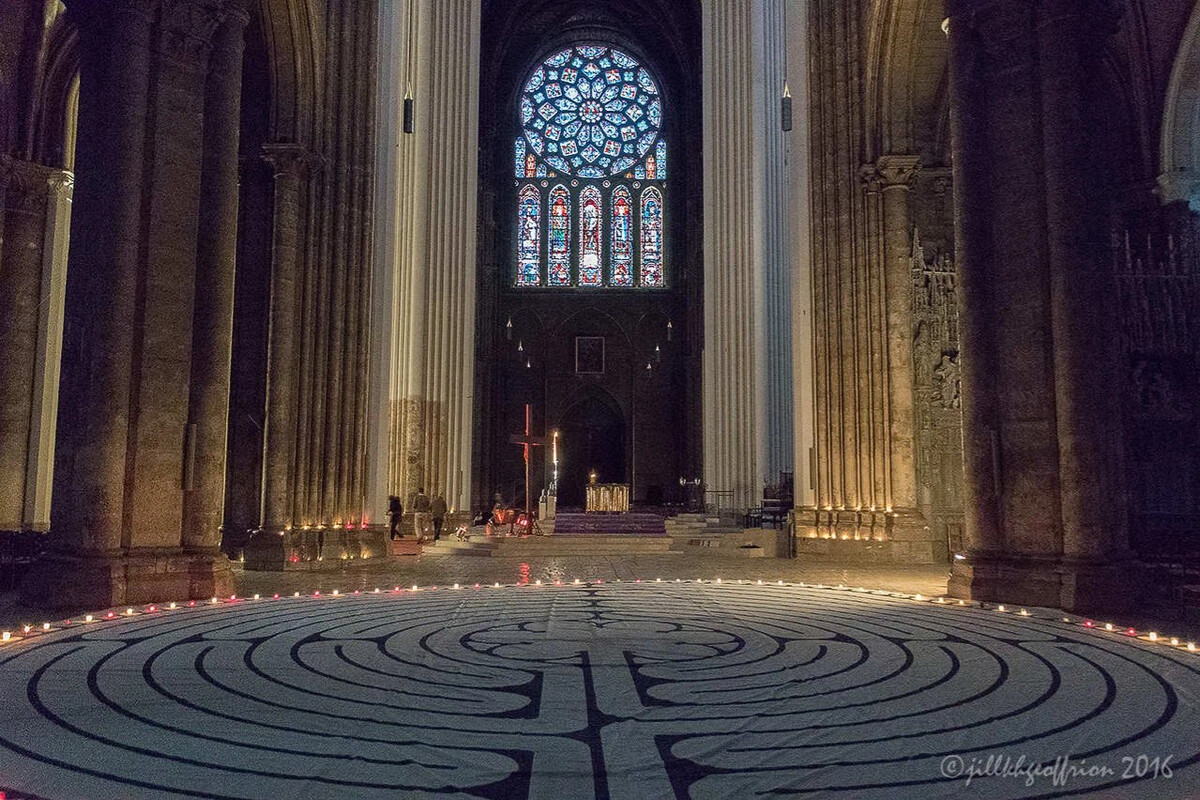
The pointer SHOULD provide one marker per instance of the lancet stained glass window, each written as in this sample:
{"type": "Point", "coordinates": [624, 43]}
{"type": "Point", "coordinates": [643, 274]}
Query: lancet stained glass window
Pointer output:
{"type": "Point", "coordinates": [591, 270]}
{"type": "Point", "coordinates": [560, 237]}
{"type": "Point", "coordinates": [622, 238]}
{"type": "Point", "coordinates": [530, 248]}
{"type": "Point", "coordinates": [591, 115]}
{"type": "Point", "coordinates": [652, 238]}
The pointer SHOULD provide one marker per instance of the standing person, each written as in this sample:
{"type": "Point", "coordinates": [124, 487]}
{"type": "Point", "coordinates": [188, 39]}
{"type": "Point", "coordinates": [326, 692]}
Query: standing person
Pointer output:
{"type": "Point", "coordinates": [421, 508]}
{"type": "Point", "coordinates": [395, 512]}
{"type": "Point", "coordinates": [439, 515]}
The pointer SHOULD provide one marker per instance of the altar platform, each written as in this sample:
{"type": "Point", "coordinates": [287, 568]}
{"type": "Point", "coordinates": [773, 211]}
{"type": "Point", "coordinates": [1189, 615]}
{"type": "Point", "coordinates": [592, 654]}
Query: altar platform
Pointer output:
{"type": "Point", "coordinates": [640, 525]}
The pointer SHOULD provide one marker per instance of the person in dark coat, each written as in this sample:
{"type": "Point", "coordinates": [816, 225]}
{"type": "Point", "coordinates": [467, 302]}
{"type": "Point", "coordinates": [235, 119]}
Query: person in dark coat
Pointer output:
{"type": "Point", "coordinates": [395, 513]}
{"type": "Point", "coordinates": [438, 508]}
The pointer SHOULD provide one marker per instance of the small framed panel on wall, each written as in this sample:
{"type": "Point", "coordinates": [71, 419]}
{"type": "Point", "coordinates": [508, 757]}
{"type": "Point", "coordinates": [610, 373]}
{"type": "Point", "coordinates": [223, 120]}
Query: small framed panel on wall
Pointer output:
{"type": "Point", "coordinates": [589, 355]}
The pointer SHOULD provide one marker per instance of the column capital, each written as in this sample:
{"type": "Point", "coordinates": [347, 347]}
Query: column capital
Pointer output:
{"type": "Point", "coordinates": [289, 159]}
{"type": "Point", "coordinates": [61, 183]}
{"type": "Point", "coordinates": [897, 171]}
{"type": "Point", "coordinates": [186, 29]}
{"type": "Point", "coordinates": [26, 183]}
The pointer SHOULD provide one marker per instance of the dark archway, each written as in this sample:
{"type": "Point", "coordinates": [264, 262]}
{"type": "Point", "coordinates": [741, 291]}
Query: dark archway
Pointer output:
{"type": "Point", "coordinates": [592, 439]}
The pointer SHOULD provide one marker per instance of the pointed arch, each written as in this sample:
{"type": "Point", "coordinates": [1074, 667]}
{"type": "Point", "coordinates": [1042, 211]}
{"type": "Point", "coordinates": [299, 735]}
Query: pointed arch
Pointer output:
{"type": "Point", "coordinates": [294, 34]}
{"type": "Point", "coordinates": [1179, 159]}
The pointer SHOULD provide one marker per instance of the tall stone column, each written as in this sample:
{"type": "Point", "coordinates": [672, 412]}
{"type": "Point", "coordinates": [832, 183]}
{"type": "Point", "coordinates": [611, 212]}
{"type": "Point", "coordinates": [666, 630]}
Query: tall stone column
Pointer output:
{"type": "Point", "coordinates": [102, 286]}
{"type": "Point", "coordinates": [216, 260]}
{"type": "Point", "coordinates": [279, 434]}
{"type": "Point", "coordinates": [968, 119]}
{"type": "Point", "coordinates": [800, 233]}
{"type": "Point", "coordinates": [1083, 295]}
{"type": "Point", "coordinates": [119, 472]}
{"type": "Point", "coordinates": [896, 175]}
{"type": "Point", "coordinates": [432, 258]}
{"type": "Point", "coordinates": [43, 421]}
{"type": "Point", "coordinates": [23, 229]}
{"type": "Point", "coordinates": [745, 252]}
{"type": "Point", "coordinates": [1045, 510]}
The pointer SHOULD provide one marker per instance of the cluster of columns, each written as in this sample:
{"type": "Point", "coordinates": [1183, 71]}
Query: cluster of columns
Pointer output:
{"type": "Point", "coordinates": [148, 307]}
{"type": "Point", "coordinates": [424, 349]}
{"type": "Point", "coordinates": [1045, 497]}
{"type": "Point", "coordinates": [862, 478]}
{"type": "Point", "coordinates": [315, 503]}
{"type": "Point", "coordinates": [748, 393]}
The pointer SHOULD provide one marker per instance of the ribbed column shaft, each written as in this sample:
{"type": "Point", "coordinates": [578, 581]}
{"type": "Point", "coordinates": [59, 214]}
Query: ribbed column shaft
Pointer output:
{"type": "Point", "coordinates": [433, 368]}
{"type": "Point", "coordinates": [735, 143]}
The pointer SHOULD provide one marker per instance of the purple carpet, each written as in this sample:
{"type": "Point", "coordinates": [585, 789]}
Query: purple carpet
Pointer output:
{"type": "Point", "coordinates": [609, 525]}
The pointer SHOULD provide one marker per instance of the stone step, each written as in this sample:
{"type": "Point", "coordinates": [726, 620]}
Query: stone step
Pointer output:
{"type": "Point", "coordinates": [581, 546]}
{"type": "Point", "coordinates": [455, 547]}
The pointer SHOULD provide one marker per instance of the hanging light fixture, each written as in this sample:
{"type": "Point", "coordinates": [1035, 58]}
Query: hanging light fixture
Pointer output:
{"type": "Point", "coordinates": [409, 111]}
{"type": "Point", "coordinates": [785, 106]}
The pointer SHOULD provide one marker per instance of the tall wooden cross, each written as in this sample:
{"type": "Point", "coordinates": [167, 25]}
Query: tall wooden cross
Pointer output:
{"type": "Point", "coordinates": [528, 441]}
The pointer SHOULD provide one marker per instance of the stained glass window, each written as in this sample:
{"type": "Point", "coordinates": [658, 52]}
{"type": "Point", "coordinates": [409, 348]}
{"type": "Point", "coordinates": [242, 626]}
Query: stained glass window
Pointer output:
{"type": "Point", "coordinates": [622, 238]}
{"type": "Point", "coordinates": [529, 249]}
{"type": "Point", "coordinates": [560, 236]}
{"type": "Point", "coordinates": [591, 221]}
{"type": "Point", "coordinates": [652, 238]}
{"type": "Point", "coordinates": [590, 113]}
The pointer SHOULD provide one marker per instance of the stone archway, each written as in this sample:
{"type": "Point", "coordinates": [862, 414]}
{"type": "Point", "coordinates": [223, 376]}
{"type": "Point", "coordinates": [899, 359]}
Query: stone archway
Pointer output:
{"type": "Point", "coordinates": [1179, 157]}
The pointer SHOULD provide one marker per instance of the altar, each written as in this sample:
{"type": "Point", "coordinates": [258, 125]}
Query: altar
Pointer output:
{"type": "Point", "coordinates": [607, 498]}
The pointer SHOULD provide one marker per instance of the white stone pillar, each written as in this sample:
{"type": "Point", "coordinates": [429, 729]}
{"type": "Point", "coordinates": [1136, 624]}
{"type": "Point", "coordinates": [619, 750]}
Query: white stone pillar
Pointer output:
{"type": "Point", "coordinates": [800, 228]}
{"type": "Point", "coordinates": [39, 470]}
{"type": "Point", "coordinates": [777, 283]}
{"type": "Point", "coordinates": [747, 397]}
{"type": "Point", "coordinates": [431, 211]}
{"type": "Point", "coordinates": [384, 295]}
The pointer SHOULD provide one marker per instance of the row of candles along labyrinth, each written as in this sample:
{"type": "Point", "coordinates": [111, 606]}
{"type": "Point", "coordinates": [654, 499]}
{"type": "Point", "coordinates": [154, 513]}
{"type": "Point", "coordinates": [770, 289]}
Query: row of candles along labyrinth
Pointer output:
{"type": "Point", "coordinates": [30, 631]}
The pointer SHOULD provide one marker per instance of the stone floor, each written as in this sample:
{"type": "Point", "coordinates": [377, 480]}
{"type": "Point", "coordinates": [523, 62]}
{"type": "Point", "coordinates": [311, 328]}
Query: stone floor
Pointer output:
{"type": "Point", "coordinates": [629, 690]}
{"type": "Point", "coordinates": [444, 570]}
{"type": "Point", "coordinates": [648, 678]}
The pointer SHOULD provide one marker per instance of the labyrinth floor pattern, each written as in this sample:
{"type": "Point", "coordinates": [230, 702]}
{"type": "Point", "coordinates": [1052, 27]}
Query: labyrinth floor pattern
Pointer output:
{"type": "Point", "coordinates": [608, 691]}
